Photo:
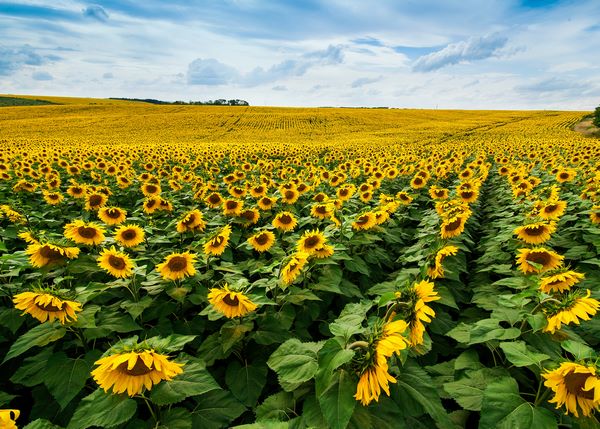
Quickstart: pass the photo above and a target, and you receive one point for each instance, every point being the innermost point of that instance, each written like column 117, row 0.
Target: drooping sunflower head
column 538, row 260
column 112, row 215
column 561, row 281
column 84, row 232
column 365, row 221
column 453, row 226
column 116, row 263
column 8, row 419
column 311, row 241
column 573, row 306
column 285, row 221
column 46, row 306
column 249, row 216
column 132, row 371
column 177, row 266
column 535, row 233
column 575, row 386
column 294, row 266
column 129, row 235
column 191, row 221
column 230, row 303
column 436, row 270
column 216, row 244
column 262, row 240
column 42, row 254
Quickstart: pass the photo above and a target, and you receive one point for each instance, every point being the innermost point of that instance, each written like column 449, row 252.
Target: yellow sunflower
column 232, row 207
column 552, row 209
column 323, row 252
column 595, row 214
column 365, row 221
column 560, row 282
column 453, row 227
column 535, row 233
column 45, row 306
column 292, row 269
column 53, row 198
column 134, row 370
column 44, row 254
column 266, row 203
column 575, row 386
column 575, row 307
column 391, row 339
column 230, row 303
column 285, row 221
column 213, row 200
column 129, row 235
column 216, row 245
column 8, row 419
column 150, row 189
column 437, row 270
column 249, row 216
column 191, row 221
column 262, row 240
column 311, row 241
column 84, row 232
column 112, row 215
column 95, row 200
column 151, row 204
column 373, row 380
column 115, row 263
column 421, row 312
column 547, row 259
column 177, row 266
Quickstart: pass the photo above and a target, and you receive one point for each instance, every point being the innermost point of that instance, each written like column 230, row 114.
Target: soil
column 587, row 128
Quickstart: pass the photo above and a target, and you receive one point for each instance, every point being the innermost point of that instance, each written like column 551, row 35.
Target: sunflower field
column 224, row 267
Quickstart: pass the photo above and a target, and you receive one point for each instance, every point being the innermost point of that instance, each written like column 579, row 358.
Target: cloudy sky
column 476, row 54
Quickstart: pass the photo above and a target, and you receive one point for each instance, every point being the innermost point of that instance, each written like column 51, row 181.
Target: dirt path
column 586, row 128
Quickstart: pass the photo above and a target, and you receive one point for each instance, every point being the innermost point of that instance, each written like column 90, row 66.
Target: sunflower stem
column 355, row 344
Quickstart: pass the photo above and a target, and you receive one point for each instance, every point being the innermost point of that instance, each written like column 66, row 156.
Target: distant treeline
column 14, row 101
column 597, row 117
column 219, row 102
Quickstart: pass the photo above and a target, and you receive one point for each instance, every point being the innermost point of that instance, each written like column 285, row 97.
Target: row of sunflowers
column 449, row 284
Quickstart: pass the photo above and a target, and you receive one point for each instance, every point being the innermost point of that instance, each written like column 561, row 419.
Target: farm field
column 172, row 266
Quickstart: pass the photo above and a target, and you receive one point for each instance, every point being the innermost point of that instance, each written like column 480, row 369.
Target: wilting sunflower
column 230, row 303
column 311, row 241
column 8, row 419
column 552, row 209
column 437, row 270
column 292, row 269
column 84, row 232
column 535, row 233
column 365, row 221
column 132, row 371
column 572, row 308
column 115, row 263
column 548, row 259
column 560, row 282
column 574, row 385
column 129, row 235
column 453, row 227
column 423, row 293
column 191, row 221
column 217, row 243
column 112, row 215
column 42, row 254
column 95, row 200
column 285, row 221
column 373, row 379
column 45, row 306
column 391, row 340
column 262, row 240
column 177, row 266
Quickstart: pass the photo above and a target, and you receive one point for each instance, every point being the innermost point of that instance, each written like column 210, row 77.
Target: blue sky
column 474, row 54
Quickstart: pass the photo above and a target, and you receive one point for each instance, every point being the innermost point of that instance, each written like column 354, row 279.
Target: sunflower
column 292, row 269
column 8, row 419
column 129, row 235
column 266, row 203
column 468, row 195
column 438, row 193
column 373, row 380
column 150, row 189
column 573, row 308
column 595, row 214
column 262, row 241
column 177, row 266
column 560, row 282
column 311, row 241
column 230, row 303
column 213, row 200
column 232, row 207
column 285, row 221
column 535, row 233
column 115, row 263
column 574, row 385
column 365, row 221
column 552, row 209
column 323, row 252
column 565, row 175
column 46, row 306
column 418, row 182
column 95, row 200
column 53, row 198
column 191, row 221
column 216, row 245
column 249, row 216
column 546, row 259
column 290, row 196
column 437, row 270
column 44, row 254
column 423, row 293
column 151, row 204
column 112, row 215
column 453, row 226
column 132, row 371
column 84, row 233
column 391, row 340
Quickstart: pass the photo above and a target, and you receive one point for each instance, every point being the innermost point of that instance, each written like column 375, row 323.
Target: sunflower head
column 47, row 306
column 572, row 307
column 46, row 254
column 116, row 263
column 177, row 266
column 129, row 235
column 84, row 232
column 535, row 233
column 112, row 215
column 191, row 221
column 293, row 268
column 262, row 240
column 230, row 303
column 575, row 386
column 8, row 418
column 216, row 244
column 538, row 260
column 311, row 241
column 285, row 221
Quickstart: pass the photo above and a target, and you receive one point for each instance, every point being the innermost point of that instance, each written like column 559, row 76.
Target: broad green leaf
column 337, row 399
column 276, row 407
column 232, row 332
column 65, row 377
column 170, row 344
column 195, row 380
column 350, row 321
column 136, row 308
column 468, row 391
column 246, row 381
column 578, row 350
column 215, row 410
column 176, row 418
column 295, row 363
column 519, row 354
column 41, row 424
column 31, row 371
column 41, row 335
column 104, row 410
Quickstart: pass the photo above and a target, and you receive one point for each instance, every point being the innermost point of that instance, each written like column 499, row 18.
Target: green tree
column 597, row 117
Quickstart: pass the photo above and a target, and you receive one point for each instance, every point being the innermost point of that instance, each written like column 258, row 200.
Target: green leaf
column 232, row 332
column 215, row 410
column 350, row 321
column 195, row 380
column 65, row 377
column 176, row 418
column 578, row 350
column 519, row 354
column 469, row 390
column 41, row 335
column 170, row 344
column 504, row 408
column 32, row 369
column 295, row 363
column 246, row 381
column 137, row 308
column 337, row 400
column 41, row 424
column 110, row 322
column 104, row 410
column 276, row 407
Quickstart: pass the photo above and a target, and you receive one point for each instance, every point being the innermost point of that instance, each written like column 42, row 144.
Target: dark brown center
column 454, row 225
column 48, row 307
column 95, row 200
column 49, row 253
column 248, row 215
column 116, row 262
column 177, row 263
column 231, row 205
column 551, row 208
column 535, row 230
column 138, row 369
column 467, row 194
column 214, row 199
column 542, row 258
column 311, row 242
column 232, row 302
column 261, row 239
column 575, row 382
column 290, row 194
column 564, row 176
column 189, row 220
column 151, row 189
column 285, row 219
column 362, row 220
column 113, row 213
column 217, row 241
column 129, row 234
column 321, row 210
column 87, row 232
